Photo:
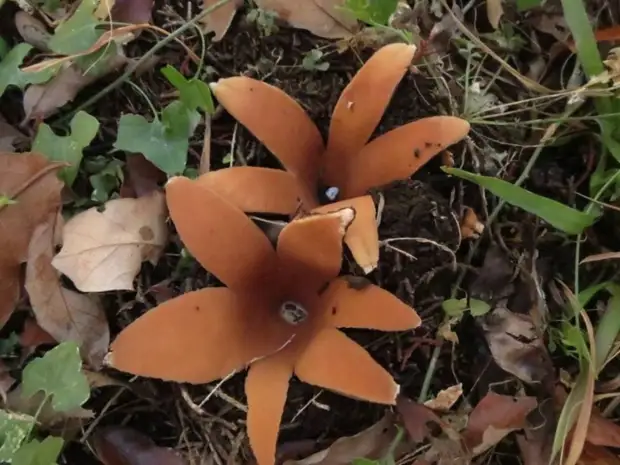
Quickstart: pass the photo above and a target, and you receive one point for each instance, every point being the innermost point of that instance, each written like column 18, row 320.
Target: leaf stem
column 147, row 56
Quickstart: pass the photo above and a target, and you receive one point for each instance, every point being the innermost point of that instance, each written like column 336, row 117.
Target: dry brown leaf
column 322, row 18
column 601, row 256
column 6, row 381
column 602, row 431
column 446, row 398
column 29, row 180
column 33, row 335
column 97, row 379
column 65, row 424
column 66, row 315
column 103, row 251
column 418, row 419
column 372, row 443
column 120, row 445
column 9, row 137
column 219, row 20
column 494, row 418
column 515, row 345
column 43, row 100
column 495, row 11
column 32, row 30
column 597, row 455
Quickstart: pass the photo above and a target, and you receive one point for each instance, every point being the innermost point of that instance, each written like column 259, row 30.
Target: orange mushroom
column 279, row 313
column 348, row 166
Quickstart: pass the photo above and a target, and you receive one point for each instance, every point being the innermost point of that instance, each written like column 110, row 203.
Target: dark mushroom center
column 293, row 313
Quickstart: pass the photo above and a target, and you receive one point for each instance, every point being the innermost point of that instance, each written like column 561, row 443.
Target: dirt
column 422, row 254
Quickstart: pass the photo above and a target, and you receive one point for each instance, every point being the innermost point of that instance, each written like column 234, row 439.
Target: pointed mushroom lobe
column 276, row 120
column 367, row 308
column 401, row 152
column 310, row 248
column 362, row 237
column 198, row 337
column 266, row 387
column 256, row 190
column 333, row 361
column 361, row 106
column 221, row 237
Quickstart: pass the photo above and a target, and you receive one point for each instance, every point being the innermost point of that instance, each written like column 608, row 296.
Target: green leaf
column 69, row 148
column 163, row 142
column 372, row 11
column 14, row 429
column 607, row 331
column 59, row 375
column 561, row 216
column 454, row 307
column 523, row 5
column 194, row 93
column 11, row 75
column 79, row 32
column 39, row 453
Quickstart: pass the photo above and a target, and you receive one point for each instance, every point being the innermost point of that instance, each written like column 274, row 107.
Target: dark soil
column 422, row 256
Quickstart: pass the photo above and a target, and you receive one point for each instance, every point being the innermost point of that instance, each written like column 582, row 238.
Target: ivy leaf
column 456, row 307
column 39, row 453
column 79, row 32
column 14, row 428
column 59, row 374
column 67, row 148
column 194, row 93
column 11, row 75
column 372, row 11
column 164, row 142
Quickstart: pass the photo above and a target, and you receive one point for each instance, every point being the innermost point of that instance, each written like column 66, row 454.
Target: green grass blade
column 561, row 216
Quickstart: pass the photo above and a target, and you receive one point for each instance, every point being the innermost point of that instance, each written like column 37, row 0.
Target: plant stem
column 135, row 65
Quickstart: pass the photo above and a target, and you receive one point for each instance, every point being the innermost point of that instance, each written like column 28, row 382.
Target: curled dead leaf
column 66, row 315
column 103, row 251
column 494, row 418
column 31, row 189
column 323, row 18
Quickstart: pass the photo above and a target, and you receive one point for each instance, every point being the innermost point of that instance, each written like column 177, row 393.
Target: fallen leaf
column 34, row 451
column 418, row 419
column 495, row 11
column 596, row 455
column 141, row 177
column 602, row 431
column 10, row 137
column 494, row 418
column 446, row 398
column 97, row 379
column 43, row 100
column 120, row 445
column 65, row 314
column 6, row 381
column 601, row 256
column 219, row 20
column 69, row 148
column 78, row 32
column 103, row 251
column 323, row 18
column 33, row 335
column 33, row 31
column 30, row 183
column 132, row 11
column 515, row 345
column 372, row 443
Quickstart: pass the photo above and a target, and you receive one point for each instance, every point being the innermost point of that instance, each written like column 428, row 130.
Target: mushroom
column 279, row 314
column 348, row 166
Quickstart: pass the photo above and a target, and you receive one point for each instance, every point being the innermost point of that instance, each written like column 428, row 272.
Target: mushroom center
column 293, row 313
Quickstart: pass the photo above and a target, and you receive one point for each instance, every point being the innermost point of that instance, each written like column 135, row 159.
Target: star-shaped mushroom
column 344, row 169
column 279, row 313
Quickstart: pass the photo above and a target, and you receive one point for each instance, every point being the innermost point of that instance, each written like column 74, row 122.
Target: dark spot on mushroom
column 197, row 308
column 428, row 144
column 416, row 153
column 146, row 233
column 334, row 310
